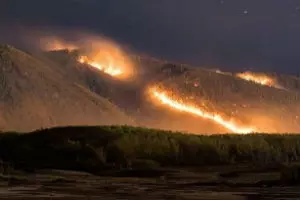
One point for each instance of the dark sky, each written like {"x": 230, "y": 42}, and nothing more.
{"x": 229, "y": 34}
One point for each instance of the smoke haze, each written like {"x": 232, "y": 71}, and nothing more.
{"x": 231, "y": 35}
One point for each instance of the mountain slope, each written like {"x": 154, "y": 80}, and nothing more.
{"x": 131, "y": 96}
{"x": 267, "y": 108}
{"x": 34, "y": 95}
{"x": 127, "y": 94}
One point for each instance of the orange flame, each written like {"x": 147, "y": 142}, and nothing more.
{"x": 109, "y": 69}
{"x": 228, "y": 124}
{"x": 96, "y": 51}
{"x": 259, "y": 79}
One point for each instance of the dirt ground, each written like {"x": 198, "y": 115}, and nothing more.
{"x": 55, "y": 184}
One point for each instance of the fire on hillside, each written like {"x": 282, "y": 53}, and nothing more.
{"x": 110, "y": 68}
{"x": 258, "y": 78}
{"x": 173, "y": 102}
{"x": 98, "y": 52}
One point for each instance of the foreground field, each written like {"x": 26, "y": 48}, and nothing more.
{"x": 174, "y": 184}
{"x": 115, "y": 162}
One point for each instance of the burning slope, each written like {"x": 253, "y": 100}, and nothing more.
{"x": 162, "y": 97}
{"x": 258, "y": 78}
{"x": 106, "y": 56}
{"x": 110, "y": 68}
{"x": 98, "y": 52}
{"x": 232, "y": 95}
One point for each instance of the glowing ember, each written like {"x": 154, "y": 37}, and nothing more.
{"x": 171, "y": 102}
{"x": 109, "y": 69}
{"x": 259, "y": 79}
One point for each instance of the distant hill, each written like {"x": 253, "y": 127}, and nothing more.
{"x": 34, "y": 94}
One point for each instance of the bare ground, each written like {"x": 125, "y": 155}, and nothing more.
{"x": 54, "y": 184}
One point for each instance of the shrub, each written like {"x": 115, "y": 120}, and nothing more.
{"x": 95, "y": 148}
{"x": 291, "y": 175}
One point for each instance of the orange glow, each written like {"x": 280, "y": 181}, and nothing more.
{"x": 96, "y": 51}
{"x": 56, "y": 44}
{"x": 163, "y": 98}
{"x": 109, "y": 69}
{"x": 106, "y": 56}
{"x": 259, "y": 79}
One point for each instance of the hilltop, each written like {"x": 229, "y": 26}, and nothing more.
{"x": 35, "y": 95}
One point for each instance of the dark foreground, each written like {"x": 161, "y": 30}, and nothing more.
{"x": 173, "y": 184}
{"x": 121, "y": 162}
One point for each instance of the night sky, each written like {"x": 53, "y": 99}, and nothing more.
{"x": 230, "y": 34}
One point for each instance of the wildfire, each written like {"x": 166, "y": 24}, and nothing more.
{"x": 259, "y": 79}
{"x": 99, "y": 52}
{"x": 109, "y": 69}
{"x": 173, "y": 103}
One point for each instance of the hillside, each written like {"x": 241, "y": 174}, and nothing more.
{"x": 270, "y": 109}
{"x": 267, "y": 108}
{"x": 130, "y": 95}
{"x": 34, "y": 95}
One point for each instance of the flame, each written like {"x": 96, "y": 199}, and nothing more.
{"x": 99, "y": 52}
{"x": 106, "y": 56}
{"x": 228, "y": 124}
{"x": 259, "y": 79}
{"x": 109, "y": 69}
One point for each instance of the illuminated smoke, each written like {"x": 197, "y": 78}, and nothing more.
{"x": 56, "y": 44}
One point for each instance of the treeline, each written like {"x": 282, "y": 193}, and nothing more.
{"x": 94, "y": 148}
